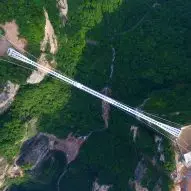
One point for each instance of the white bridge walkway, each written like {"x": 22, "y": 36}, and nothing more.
{"x": 169, "y": 129}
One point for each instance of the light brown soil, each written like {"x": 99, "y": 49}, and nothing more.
{"x": 37, "y": 75}
{"x": 12, "y": 34}
{"x": 49, "y": 36}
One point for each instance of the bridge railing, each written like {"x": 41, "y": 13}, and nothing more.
{"x": 170, "y": 129}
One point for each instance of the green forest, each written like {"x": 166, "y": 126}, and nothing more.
{"x": 152, "y": 42}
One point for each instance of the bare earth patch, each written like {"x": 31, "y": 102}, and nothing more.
{"x": 7, "y": 96}
{"x": 49, "y": 36}
{"x": 49, "y": 39}
{"x": 70, "y": 146}
{"x": 12, "y": 34}
{"x": 38, "y": 75}
{"x": 38, "y": 148}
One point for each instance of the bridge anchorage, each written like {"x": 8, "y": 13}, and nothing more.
{"x": 181, "y": 136}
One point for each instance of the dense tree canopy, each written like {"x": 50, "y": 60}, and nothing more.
{"x": 152, "y": 43}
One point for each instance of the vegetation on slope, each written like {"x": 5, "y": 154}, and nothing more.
{"x": 152, "y": 46}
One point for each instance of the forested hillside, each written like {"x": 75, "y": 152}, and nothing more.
{"x": 152, "y": 43}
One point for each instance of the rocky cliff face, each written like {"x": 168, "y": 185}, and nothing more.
{"x": 7, "y": 96}
{"x": 34, "y": 150}
{"x": 38, "y": 148}
{"x": 8, "y": 171}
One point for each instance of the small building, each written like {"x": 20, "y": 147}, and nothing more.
{"x": 187, "y": 158}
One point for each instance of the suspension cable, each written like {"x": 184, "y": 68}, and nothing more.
{"x": 148, "y": 124}
{"x": 127, "y": 106}
{"x": 179, "y": 125}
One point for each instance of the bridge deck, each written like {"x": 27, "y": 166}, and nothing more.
{"x": 169, "y": 129}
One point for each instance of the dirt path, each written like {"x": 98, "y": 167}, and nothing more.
{"x": 11, "y": 34}
{"x": 49, "y": 39}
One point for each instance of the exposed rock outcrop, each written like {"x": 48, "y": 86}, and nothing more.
{"x": 160, "y": 149}
{"x": 39, "y": 147}
{"x": 134, "y": 130}
{"x": 97, "y": 187}
{"x": 63, "y": 8}
{"x": 8, "y": 171}
{"x": 139, "y": 173}
{"x": 14, "y": 171}
{"x": 7, "y": 96}
{"x": 3, "y": 169}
